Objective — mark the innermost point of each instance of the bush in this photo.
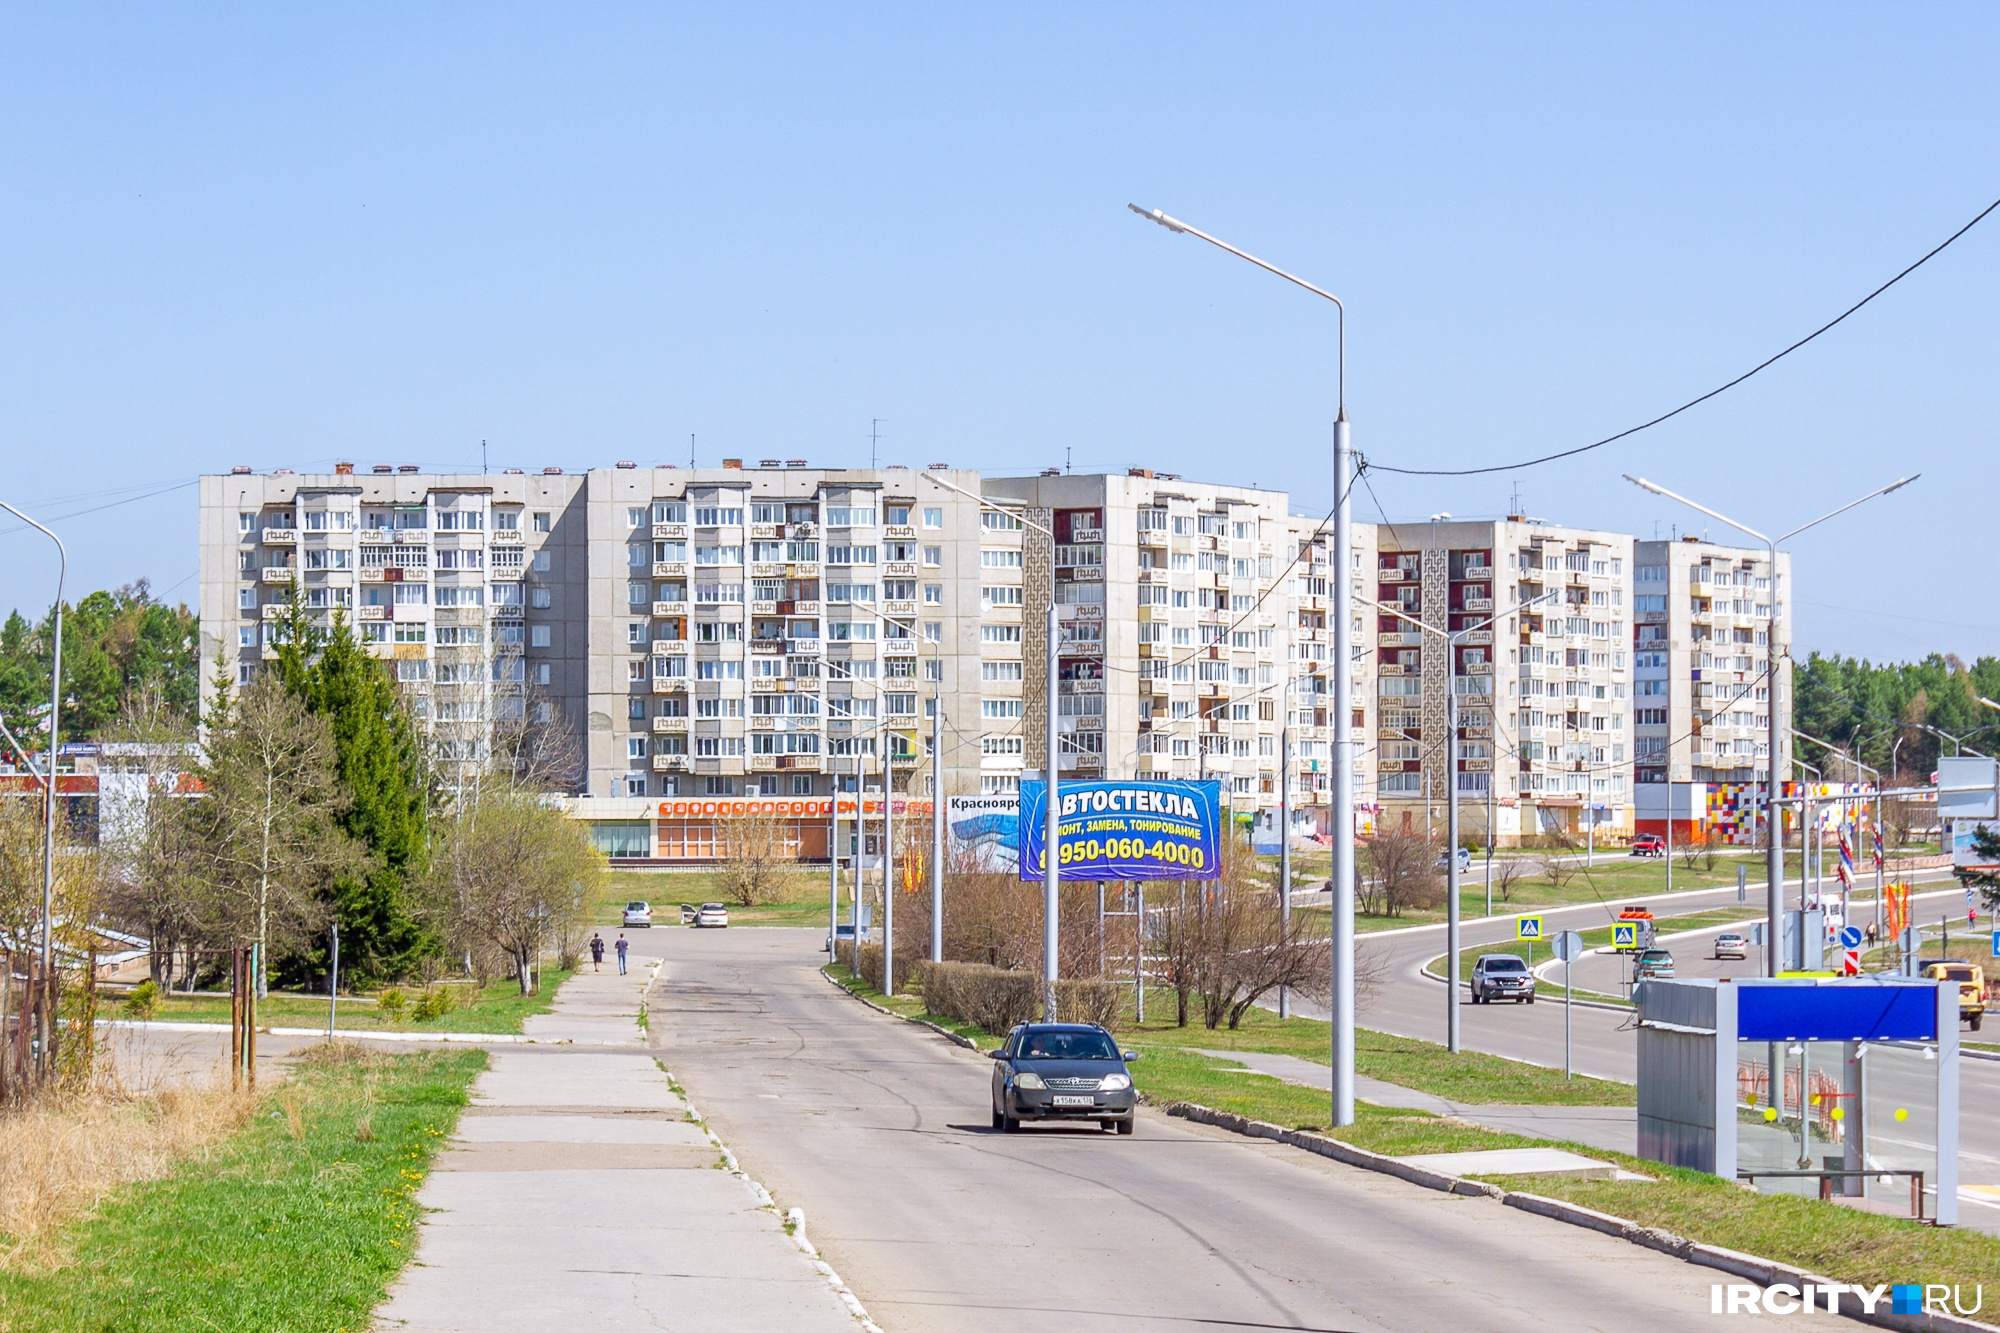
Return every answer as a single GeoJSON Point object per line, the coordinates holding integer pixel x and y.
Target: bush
{"type": "Point", "coordinates": [391, 1003]}
{"type": "Point", "coordinates": [989, 997]}
{"type": "Point", "coordinates": [1088, 1002]}
{"type": "Point", "coordinates": [434, 1003]}
{"type": "Point", "coordinates": [144, 1001]}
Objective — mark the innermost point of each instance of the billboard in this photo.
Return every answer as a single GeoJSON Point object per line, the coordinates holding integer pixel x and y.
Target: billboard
{"type": "Point", "coordinates": [1126, 830]}
{"type": "Point", "coordinates": [982, 833]}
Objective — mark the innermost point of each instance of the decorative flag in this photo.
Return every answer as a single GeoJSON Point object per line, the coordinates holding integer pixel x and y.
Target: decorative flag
{"type": "Point", "coordinates": [1846, 868]}
{"type": "Point", "coordinates": [1878, 847]}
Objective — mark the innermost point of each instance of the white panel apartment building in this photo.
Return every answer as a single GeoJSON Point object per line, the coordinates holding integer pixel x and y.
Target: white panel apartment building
{"type": "Point", "coordinates": [1703, 616]}
{"type": "Point", "coordinates": [750, 632]}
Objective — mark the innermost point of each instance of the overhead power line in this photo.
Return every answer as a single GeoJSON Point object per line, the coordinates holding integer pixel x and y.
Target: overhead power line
{"type": "Point", "coordinates": [1696, 402]}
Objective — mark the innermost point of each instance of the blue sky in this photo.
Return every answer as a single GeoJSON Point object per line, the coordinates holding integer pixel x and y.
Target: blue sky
{"type": "Point", "coordinates": [280, 235]}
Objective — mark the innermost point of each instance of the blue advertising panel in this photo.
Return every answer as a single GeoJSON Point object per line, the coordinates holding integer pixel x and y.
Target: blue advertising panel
{"type": "Point", "coordinates": [1125, 830]}
{"type": "Point", "coordinates": [1864, 1009]}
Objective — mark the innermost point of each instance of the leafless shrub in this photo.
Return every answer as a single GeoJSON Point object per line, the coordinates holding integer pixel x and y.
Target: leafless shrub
{"type": "Point", "coordinates": [992, 998]}
{"type": "Point", "coordinates": [1401, 875]}
{"type": "Point", "coordinates": [1508, 872]}
{"type": "Point", "coordinates": [758, 859]}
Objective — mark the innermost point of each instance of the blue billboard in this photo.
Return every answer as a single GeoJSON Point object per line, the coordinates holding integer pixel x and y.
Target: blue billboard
{"type": "Point", "coordinates": [1125, 830]}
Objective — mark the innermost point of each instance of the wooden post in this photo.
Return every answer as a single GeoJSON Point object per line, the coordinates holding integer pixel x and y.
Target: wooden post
{"type": "Point", "coordinates": [256, 970]}
{"type": "Point", "coordinates": [236, 1019]}
{"type": "Point", "coordinates": [6, 1045]}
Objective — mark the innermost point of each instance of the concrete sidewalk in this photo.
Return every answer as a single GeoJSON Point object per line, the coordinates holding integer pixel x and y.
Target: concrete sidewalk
{"type": "Point", "coordinates": [1609, 1128]}
{"type": "Point", "coordinates": [579, 1193]}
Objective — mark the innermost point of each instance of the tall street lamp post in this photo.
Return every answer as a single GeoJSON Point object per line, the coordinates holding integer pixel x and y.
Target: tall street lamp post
{"type": "Point", "coordinates": [1342, 892]}
{"type": "Point", "coordinates": [1452, 639]}
{"type": "Point", "coordinates": [49, 782]}
{"type": "Point", "coordinates": [1051, 882]}
{"type": "Point", "coordinates": [1774, 847]}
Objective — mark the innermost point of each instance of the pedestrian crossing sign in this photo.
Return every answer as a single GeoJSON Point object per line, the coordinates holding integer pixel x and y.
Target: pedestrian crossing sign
{"type": "Point", "coordinates": [1527, 927]}
{"type": "Point", "coordinates": [1625, 936]}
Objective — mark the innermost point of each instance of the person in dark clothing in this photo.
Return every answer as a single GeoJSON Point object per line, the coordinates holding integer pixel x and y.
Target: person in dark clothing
{"type": "Point", "coordinates": [622, 946]}
{"type": "Point", "coordinates": [597, 952]}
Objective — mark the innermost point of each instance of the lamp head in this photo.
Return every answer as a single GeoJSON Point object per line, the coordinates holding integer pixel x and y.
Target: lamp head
{"type": "Point", "coordinates": [1645, 485]}
{"type": "Point", "coordinates": [1904, 482]}
{"type": "Point", "coordinates": [1156, 215]}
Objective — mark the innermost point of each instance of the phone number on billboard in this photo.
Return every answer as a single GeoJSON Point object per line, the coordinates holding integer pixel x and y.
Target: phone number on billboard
{"type": "Point", "coordinates": [1131, 849]}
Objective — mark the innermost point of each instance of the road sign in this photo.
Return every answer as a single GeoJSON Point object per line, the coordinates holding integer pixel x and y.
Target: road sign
{"type": "Point", "coordinates": [1850, 962]}
{"type": "Point", "coordinates": [1625, 937]}
{"type": "Point", "coordinates": [1996, 944]}
{"type": "Point", "coordinates": [1568, 945]}
{"type": "Point", "coordinates": [1850, 937]}
{"type": "Point", "coordinates": [1527, 928]}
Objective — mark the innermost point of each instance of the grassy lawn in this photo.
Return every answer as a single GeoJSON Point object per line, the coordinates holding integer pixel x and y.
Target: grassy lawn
{"type": "Point", "coordinates": [498, 1008]}
{"type": "Point", "coordinates": [804, 901]}
{"type": "Point", "coordinates": [1597, 937]}
{"type": "Point", "coordinates": [298, 1222]}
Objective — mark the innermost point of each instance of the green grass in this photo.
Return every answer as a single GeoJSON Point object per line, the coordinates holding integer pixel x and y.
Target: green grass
{"type": "Point", "coordinates": [497, 1008]}
{"type": "Point", "coordinates": [1843, 1243]}
{"type": "Point", "coordinates": [286, 1225]}
{"type": "Point", "coordinates": [804, 905]}
{"type": "Point", "coordinates": [1597, 937]}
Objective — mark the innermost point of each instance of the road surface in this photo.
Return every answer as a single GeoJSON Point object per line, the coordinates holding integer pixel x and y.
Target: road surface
{"type": "Point", "coordinates": [879, 1131]}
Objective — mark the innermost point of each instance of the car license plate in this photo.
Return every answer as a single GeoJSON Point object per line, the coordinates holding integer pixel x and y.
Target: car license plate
{"type": "Point", "coordinates": [1075, 1101]}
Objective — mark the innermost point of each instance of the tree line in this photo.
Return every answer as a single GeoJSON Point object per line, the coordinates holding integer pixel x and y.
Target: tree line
{"type": "Point", "coordinates": [1892, 712]}
{"type": "Point", "coordinates": [114, 644]}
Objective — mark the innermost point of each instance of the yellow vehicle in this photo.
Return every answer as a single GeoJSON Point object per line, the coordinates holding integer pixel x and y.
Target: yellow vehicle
{"type": "Point", "coordinates": [1971, 988]}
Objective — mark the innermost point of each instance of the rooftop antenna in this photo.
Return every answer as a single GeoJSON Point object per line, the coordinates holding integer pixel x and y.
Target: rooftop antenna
{"type": "Point", "coordinates": [482, 458]}
{"type": "Point", "coordinates": [874, 438]}
{"type": "Point", "coordinates": [1514, 504]}
{"type": "Point", "coordinates": [690, 451]}
{"type": "Point", "coordinates": [1068, 468]}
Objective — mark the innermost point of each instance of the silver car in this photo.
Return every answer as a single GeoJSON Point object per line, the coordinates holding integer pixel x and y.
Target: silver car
{"type": "Point", "coordinates": [1502, 976]}
{"type": "Point", "coordinates": [1731, 945]}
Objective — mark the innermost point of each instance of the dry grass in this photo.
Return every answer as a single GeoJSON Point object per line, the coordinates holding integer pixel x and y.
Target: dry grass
{"type": "Point", "coordinates": [60, 1157]}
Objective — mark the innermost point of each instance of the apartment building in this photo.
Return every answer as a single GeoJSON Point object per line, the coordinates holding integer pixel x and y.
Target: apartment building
{"type": "Point", "coordinates": [1176, 610]}
{"type": "Point", "coordinates": [1538, 661]}
{"type": "Point", "coordinates": [1702, 622]}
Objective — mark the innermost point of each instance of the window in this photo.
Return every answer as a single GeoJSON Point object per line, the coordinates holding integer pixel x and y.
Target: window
{"type": "Point", "coordinates": [999, 708]}
{"type": "Point", "coordinates": [537, 598]}
{"type": "Point", "coordinates": [542, 562]}
{"type": "Point", "coordinates": [410, 631]}
{"type": "Point", "coordinates": [850, 516]}
{"type": "Point", "coordinates": [1000, 596]}
{"type": "Point", "coordinates": [850, 555]}
{"type": "Point", "coordinates": [1001, 559]}
{"type": "Point", "coordinates": [459, 520]}
{"type": "Point", "coordinates": [718, 516]}
{"type": "Point", "coordinates": [999, 633]}
{"type": "Point", "coordinates": [933, 518]}
{"type": "Point", "coordinates": [718, 555]}
{"type": "Point", "coordinates": [993, 522]}
{"type": "Point", "coordinates": [718, 593]}
{"type": "Point", "coordinates": [1000, 670]}
{"type": "Point", "coordinates": [850, 592]}
{"type": "Point", "coordinates": [900, 705]}
{"type": "Point", "coordinates": [246, 599]}
{"type": "Point", "coordinates": [507, 520]}
{"type": "Point", "coordinates": [707, 670]}
{"type": "Point", "coordinates": [669, 511]}
{"type": "Point", "coordinates": [541, 521]}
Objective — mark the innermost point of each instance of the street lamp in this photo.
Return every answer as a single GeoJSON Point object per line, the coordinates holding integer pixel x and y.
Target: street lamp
{"type": "Point", "coordinates": [1452, 639]}
{"type": "Point", "coordinates": [1342, 893]}
{"type": "Point", "coordinates": [1774, 852]}
{"type": "Point", "coordinates": [49, 781]}
{"type": "Point", "coordinates": [1051, 903]}
{"type": "Point", "coordinates": [1855, 759]}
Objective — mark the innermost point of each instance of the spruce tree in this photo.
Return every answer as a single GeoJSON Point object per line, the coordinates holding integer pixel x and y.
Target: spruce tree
{"type": "Point", "coordinates": [381, 762]}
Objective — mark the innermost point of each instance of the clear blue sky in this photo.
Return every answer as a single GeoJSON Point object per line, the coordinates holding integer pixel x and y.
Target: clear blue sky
{"type": "Point", "coordinates": [277, 235]}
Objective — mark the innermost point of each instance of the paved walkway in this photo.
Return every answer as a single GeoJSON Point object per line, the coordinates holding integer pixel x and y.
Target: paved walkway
{"type": "Point", "coordinates": [578, 1193]}
{"type": "Point", "coordinates": [1610, 1128]}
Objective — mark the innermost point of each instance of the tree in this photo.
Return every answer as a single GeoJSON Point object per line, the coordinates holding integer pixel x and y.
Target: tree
{"type": "Point", "coordinates": [1507, 872]}
{"type": "Point", "coordinates": [152, 849]}
{"type": "Point", "coordinates": [380, 760]}
{"type": "Point", "coordinates": [511, 876]}
{"type": "Point", "coordinates": [113, 642]}
{"type": "Point", "coordinates": [757, 858]}
{"type": "Point", "coordinates": [270, 829]}
{"type": "Point", "coordinates": [1986, 843]}
{"type": "Point", "coordinates": [1402, 875]}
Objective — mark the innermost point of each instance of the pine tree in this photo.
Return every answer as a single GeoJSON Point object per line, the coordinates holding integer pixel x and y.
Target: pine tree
{"type": "Point", "coordinates": [380, 760]}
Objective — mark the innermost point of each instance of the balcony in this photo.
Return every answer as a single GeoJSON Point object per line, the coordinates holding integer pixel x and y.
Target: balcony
{"type": "Point", "coordinates": [506, 610]}
{"type": "Point", "coordinates": [763, 645]}
{"type": "Point", "coordinates": [383, 536]}
{"type": "Point", "coordinates": [670, 763]}
{"type": "Point", "coordinates": [669, 684]}
{"type": "Point", "coordinates": [669, 724]}
{"type": "Point", "coordinates": [805, 608]}
{"type": "Point", "coordinates": [279, 574]}
{"type": "Point", "coordinates": [802, 647]}
{"type": "Point", "coordinates": [767, 571]}
{"type": "Point", "coordinates": [670, 531]}
{"type": "Point", "coordinates": [894, 530]}
{"type": "Point", "coordinates": [807, 569]}
{"type": "Point", "coordinates": [1394, 574]}
{"type": "Point", "coordinates": [899, 608]}
{"type": "Point", "coordinates": [1476, 637]}
{"type": "Point", "coordinates": [366, 612]}
{"type": "Point", "coordinates": [765, 608]}
{"type": "Point", "coordinates": [670, 569]}
{"type": "Point", "coordinates": [1477, 574]}
{"type": "Point", "coordinates": [504, 537]}
{"type": "Point", "coordinates": [766, 531]}
{"type": "Point", "coordinates": [412, 537]}
{"type": "Point", "coordinates": [281, 536]}
{"type": "Point", "coordinates": [1477, 604]}
{"type": "Point", "coordinates": [899, 569]}
{"type": "Point", "coordinates": [670, 608]}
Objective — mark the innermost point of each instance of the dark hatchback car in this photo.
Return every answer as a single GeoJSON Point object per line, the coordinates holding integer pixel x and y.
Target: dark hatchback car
{"type": "Point", "coordinates": [1062, 1071]}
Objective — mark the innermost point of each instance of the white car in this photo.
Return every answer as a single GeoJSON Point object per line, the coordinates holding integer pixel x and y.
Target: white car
{"type": "Point", "coordinates": [639, 914]}
{"type": "Point", "coordinates": [1729, 944]}
{"type": "Point", "coordinates": [711, 914]}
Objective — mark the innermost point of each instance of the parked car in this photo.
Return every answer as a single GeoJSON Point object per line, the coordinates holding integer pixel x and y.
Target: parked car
{"type": "Point", "coordinates": [1649, 844]}
{"type": "Point", "coordinates": [1464, 860]}
{"type": "Point", "coordinates": [1063, 1071]}
{"type": "Point", "coordinates": [1654, 965]}
{"type": "Point", "coordinates": [843, 935]}
{"type": "Point", "coordinates": [639, 914]}
{"type": "Point", "coordinates": [711, 914]}
{"type": "Point", "coordinates": [1502, 976]}
{"type": "Point", "coordinates": [1729, 944]}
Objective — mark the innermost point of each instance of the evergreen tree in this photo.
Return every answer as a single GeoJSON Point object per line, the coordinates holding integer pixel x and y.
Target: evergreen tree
{"type": "Point", "coordinates": [380, 761]}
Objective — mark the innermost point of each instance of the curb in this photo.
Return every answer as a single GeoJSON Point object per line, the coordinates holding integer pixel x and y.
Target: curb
{"type": "Point", "coordinates": [1764, 1272]}
{"type": "Point", "coordinates": [945, 1032]}
{"type": "Point", "coordinates": [794, 1218]}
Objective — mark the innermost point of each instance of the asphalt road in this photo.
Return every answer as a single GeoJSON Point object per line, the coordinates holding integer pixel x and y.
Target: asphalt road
{"type": "Point", "coordinates": [879, 1131]}
{"type": "Point", "coordinates": [1408, 1003]}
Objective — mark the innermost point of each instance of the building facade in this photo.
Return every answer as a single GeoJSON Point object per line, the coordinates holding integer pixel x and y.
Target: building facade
{"type": "Point", "coordinates": [1702, 664]}
{"type": "Point", "coordinates": [711, 642]}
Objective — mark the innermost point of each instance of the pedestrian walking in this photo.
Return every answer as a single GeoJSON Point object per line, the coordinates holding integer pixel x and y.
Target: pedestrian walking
{"type": "Point", "coordinates": [597, 952]}
{"type": "Point", "coordinates": [623, 945]}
